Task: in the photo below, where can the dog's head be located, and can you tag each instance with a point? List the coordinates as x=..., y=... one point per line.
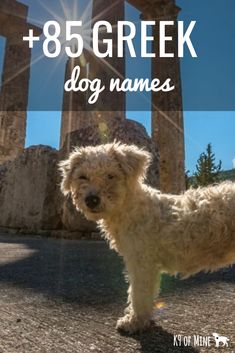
x=215, y=335
x=99, y=178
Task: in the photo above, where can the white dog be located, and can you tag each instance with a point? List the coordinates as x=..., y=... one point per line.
x=154, y=232
x=220, y=339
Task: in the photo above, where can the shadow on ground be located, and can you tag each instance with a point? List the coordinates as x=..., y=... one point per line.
x=158, y=340
x=82, y=271
x=65, y=296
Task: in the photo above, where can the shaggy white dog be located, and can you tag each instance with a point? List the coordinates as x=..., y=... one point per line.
x=154, y=232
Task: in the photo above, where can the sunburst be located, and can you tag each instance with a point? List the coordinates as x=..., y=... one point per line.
x=71, y=12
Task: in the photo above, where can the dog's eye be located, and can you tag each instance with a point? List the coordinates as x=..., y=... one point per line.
x=110, y=176
x=83, y=177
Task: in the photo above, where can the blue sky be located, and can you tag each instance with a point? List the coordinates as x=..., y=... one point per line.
x=207, y=82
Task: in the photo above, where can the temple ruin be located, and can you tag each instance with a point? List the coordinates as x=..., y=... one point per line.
x=15, y=78
x=76, y=112
x=167, y=116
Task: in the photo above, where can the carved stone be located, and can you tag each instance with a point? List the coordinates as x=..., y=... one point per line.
x=15, y=78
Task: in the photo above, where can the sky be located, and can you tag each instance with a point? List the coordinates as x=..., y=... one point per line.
x=207, y=82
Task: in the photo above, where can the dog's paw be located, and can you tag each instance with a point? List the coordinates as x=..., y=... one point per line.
x=131, y=324
x=128, y=309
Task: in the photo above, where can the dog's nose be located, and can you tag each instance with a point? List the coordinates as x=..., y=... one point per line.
x=92, y=201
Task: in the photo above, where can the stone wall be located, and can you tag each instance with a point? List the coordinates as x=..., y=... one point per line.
x=30, y=197
x=29, y=192
x=126, y=131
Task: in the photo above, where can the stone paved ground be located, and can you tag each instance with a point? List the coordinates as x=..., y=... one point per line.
x=64, y=296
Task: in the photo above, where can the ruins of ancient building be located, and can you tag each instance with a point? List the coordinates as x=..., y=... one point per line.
x=76, y=112
x=167, y=118
x=15, y=78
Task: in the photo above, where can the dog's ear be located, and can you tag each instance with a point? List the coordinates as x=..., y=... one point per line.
x=67, y=168
x=132, y=160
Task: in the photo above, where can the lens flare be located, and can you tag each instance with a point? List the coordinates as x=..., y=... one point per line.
x=159, y=305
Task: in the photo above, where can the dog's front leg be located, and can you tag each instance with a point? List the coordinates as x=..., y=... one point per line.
x=144, y=285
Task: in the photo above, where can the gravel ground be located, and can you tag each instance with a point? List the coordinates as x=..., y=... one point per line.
x=65, y=296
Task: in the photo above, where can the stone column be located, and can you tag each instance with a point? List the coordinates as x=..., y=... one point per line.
x=74, y=103
x=77, y=113
x=167, y=109
x=111, y=11
x=15, y=77
x=14, y=98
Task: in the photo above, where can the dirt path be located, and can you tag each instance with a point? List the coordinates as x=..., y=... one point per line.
x=65, y=296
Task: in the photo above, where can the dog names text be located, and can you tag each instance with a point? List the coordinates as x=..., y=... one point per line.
x=70, y=38
x=95, y=86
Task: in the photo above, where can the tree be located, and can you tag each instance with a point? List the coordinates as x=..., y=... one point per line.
x=207, y=172
x=188, y=179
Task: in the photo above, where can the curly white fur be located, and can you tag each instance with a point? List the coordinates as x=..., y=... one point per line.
x=154, y=232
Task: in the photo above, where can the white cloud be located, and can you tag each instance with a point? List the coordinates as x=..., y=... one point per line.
x=234, y=163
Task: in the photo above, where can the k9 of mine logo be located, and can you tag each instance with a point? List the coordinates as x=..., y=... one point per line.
x=216, y=340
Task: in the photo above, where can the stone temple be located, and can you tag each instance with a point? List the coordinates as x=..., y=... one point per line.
x=33, y=171
x=15, y=78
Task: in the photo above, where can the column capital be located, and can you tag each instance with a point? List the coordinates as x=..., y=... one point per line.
x=160, y=10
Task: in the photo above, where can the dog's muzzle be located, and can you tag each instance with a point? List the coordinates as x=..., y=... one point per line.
x=92, y=201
